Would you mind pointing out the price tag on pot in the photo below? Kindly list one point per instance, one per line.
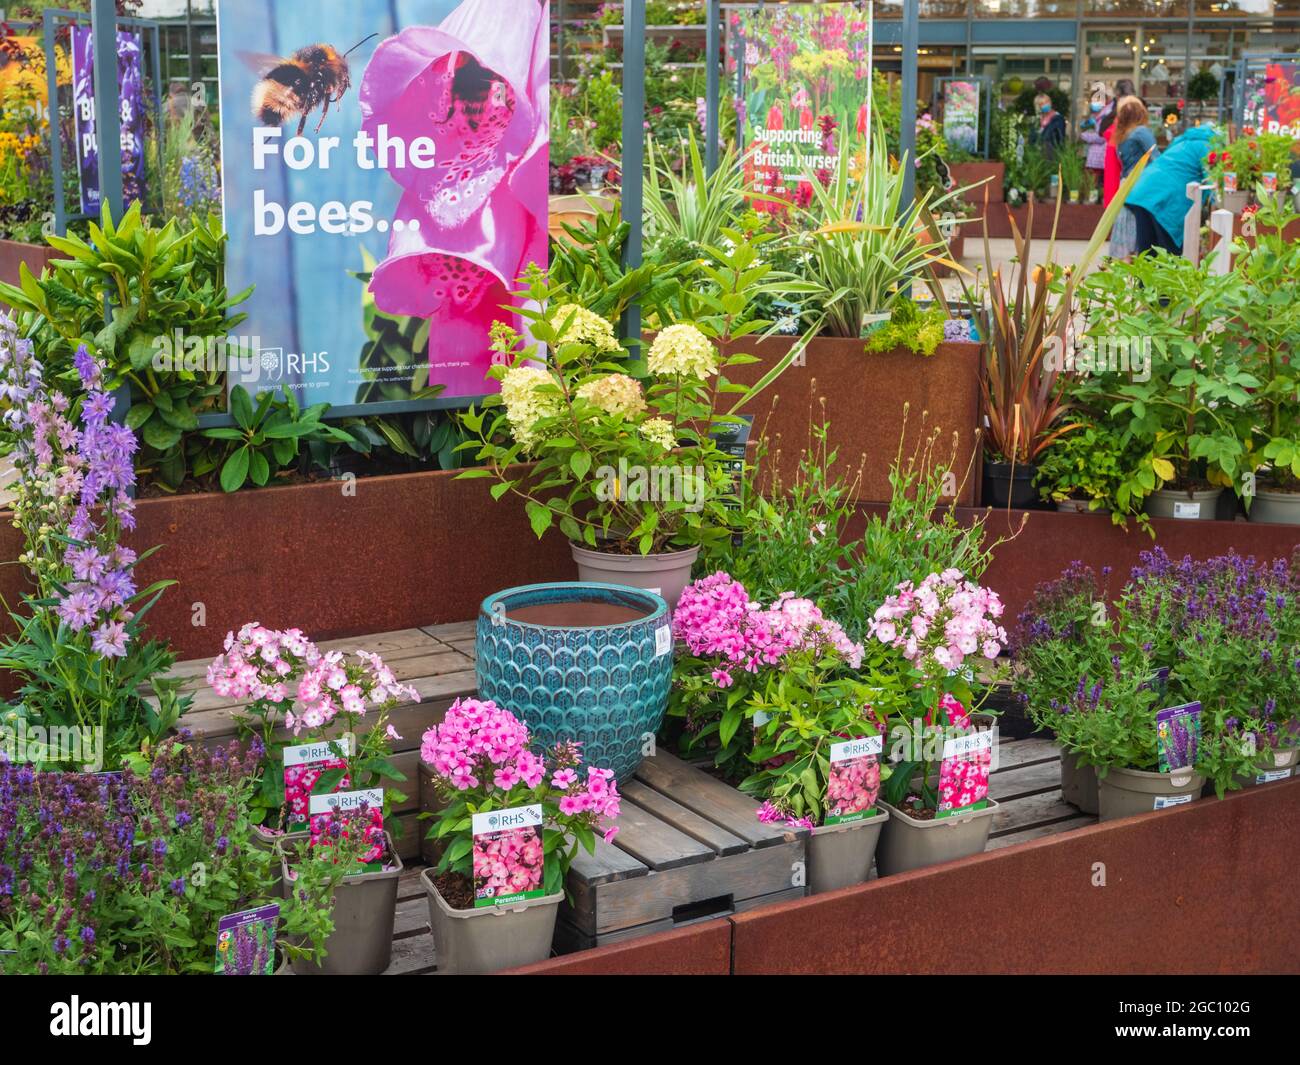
(1270, 775)
(663, 640)
(964, 772)
(304, 766)
(853, 783)
(1163, 802)
(246, 942)
(1178, 736)
(1189, 511)
(508, 856)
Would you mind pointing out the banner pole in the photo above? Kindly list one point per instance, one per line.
(108, 126)
(633, 162)
(713, 87)
(907, 135)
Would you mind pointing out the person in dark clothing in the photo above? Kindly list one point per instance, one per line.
(1050, 134)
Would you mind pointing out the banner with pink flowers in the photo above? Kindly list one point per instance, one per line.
(385, 168)
(803, 91)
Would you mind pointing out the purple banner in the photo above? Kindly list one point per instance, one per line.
(130, 75)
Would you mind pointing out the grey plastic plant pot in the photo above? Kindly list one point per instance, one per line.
(490, 938)
(1190, 506)
(269, 841)
(1283, 508)
(364, 907)
(1125, 792)
(667, 575)
(841, 855)
(907, 843)
(1078, 783)
(1273, 765)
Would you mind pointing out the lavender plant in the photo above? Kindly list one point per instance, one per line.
(78, 650)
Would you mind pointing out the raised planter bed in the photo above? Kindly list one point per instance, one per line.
(1077, 222)
(13, 253)
(987, 177)
(863, 396)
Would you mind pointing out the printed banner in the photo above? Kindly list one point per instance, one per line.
(1178, 736)
(804, 91)
(853, 784)
(246, 942)
(130, 77)
(961, 115)
(384, 190)
(1273, 100)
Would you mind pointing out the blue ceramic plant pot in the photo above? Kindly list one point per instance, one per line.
(579, 661)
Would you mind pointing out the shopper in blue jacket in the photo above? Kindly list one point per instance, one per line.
(1159, 200)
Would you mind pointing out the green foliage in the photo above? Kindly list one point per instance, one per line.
(695, 207)
(1087, 465)
(919, 331)
(158, 281)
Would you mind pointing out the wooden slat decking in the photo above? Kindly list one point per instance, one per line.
(439, 662)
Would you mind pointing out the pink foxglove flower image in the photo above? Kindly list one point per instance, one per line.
(466, 227)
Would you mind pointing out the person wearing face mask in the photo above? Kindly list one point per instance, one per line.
(1099, 107)
(1051, 126)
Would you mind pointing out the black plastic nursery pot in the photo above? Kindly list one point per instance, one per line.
(1011, 485)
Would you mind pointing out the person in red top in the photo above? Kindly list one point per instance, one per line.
(1112, 170)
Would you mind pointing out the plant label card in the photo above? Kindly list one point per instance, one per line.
(304, 765)
(346, 805)
(246, 942)
(853, 784)
(508, 856)
(663, 640)
(1269, 179)
(1230, 181)
(1178, 736)
(964, 773)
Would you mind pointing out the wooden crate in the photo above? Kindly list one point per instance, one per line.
(689, 848)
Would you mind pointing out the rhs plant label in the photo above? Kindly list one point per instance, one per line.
(1178, 736)
(385, 170)
(346, 807)
(1229, 185)
(964, 773)
(853, 784)
(246, 942)
(508, 855)
(305, 764)
(1269, 178)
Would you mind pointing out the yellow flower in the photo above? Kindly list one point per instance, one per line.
(615, 393)
(526, 404)
(683, 349)
(587, 327)
(659, 431)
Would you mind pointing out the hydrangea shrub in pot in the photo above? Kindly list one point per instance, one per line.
(624, 460)
(933, 633)
(511, 820)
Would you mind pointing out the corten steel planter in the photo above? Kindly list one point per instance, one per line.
(14, 253)
(862, 395)
(364, 909)
(334, 558)
(579, 661)
(988, 178)
(1077, 220)
(1078, 783)
(908, 844)
(489, 938)
(1125, 792)
(841, 855)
